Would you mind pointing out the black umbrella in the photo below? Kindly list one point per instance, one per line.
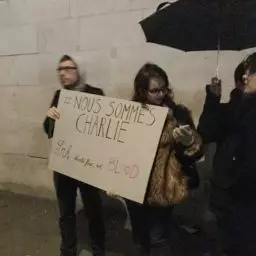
(195, 25)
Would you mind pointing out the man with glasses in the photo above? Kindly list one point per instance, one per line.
(71, 78)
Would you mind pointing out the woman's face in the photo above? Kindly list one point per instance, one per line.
(250, 82)
(156, 91)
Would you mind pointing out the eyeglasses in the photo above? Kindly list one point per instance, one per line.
(158, 90)
(67, 69)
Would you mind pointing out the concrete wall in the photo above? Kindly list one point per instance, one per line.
(106, 34)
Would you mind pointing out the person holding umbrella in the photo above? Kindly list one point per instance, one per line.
(234, 171)
(217, 116)
(214, 123)
(241, 226)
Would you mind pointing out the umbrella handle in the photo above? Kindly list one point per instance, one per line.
(217, 72)
(218, 60)
(162, 5)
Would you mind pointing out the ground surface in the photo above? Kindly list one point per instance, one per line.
(28, 227)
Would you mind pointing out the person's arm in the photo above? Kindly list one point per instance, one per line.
(214, 118)
(210, 121)
(189, 148)
(49, 123)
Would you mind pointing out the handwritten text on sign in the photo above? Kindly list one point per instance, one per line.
(108, 143)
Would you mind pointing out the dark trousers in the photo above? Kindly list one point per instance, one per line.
(151, 228)
(241, 231)
(66, 190)
(235, 209)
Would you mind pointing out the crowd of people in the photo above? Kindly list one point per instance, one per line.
(174, 174)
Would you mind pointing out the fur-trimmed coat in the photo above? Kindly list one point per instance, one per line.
(168, 183)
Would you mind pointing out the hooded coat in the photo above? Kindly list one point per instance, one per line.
(49, 123)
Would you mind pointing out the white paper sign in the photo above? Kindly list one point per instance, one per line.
(105, 142)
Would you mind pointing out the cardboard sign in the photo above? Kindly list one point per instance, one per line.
(105, 142)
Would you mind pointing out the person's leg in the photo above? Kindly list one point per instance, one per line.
(159, 225)
(241, 235)
(221, 205)
(66, 196)
(139, 229)
(94, 212)
(151, 228)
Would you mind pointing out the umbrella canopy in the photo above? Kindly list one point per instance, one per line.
(196, 25)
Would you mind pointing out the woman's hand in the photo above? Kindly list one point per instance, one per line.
(111, 193)
(184, 135)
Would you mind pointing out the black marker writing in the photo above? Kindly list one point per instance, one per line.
(88, 104)
(108, 128)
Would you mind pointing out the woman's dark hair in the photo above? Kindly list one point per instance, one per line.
(142, 80)
(239, 73)
(141, 84)
(250, 63)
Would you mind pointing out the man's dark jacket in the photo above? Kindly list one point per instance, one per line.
(233, 127)
(49, 123)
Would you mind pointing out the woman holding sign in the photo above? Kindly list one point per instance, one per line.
(173, 172)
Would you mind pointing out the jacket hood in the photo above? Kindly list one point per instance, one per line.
(78, 61)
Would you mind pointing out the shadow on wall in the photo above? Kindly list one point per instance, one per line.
(194, 100)
(40, 145)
